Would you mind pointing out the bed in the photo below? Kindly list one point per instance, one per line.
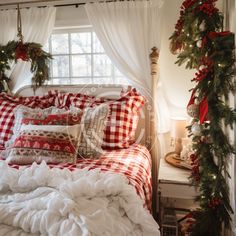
(107, 192)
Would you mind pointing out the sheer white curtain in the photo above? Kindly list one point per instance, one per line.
(128, 30)
(7, 26)
(37, 25)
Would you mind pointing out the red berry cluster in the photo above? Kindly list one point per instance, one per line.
(201, 74)
(214, 202)
(187, 4)
(207, 62)
(195, 167)
(179, 26)
(208, 8)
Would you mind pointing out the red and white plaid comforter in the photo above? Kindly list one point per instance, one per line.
(133, 162)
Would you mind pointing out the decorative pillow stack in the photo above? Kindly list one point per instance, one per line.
(32, 140)
(33, 129)
(123, 117)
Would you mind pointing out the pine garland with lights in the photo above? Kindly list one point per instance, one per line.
(201, 44)
(31, 52)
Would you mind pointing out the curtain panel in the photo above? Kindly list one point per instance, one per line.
(128, 30)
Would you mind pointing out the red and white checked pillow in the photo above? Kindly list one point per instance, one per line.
(123, 117)
(9, 103)
(52, 144)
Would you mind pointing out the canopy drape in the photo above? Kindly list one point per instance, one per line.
(128, 30)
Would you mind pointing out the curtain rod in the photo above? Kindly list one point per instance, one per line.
(43, 3)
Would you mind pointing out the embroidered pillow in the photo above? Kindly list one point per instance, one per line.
(53, 144)
(92, 120)
(123, 117)
(22, 112)
(7, 105)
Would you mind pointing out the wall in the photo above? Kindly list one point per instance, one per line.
(232, 133)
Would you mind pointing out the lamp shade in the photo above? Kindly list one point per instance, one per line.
(178, 127)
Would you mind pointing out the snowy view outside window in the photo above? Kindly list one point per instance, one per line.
(79, 58)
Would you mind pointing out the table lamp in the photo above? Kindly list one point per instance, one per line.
(178, 131)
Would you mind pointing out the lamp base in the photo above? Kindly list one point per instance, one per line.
(178, 146)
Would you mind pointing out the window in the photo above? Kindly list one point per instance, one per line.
(79, 58)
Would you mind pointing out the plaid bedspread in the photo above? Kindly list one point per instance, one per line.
(133, 162)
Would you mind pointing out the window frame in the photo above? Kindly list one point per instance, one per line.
(116, 77)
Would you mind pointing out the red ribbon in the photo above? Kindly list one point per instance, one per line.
(203, 110)
(192, 98)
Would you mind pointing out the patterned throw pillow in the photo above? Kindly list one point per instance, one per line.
(7, 105)
(23, 112)
(123, 117)
(93, 123)
(92, 120)
(53, 144)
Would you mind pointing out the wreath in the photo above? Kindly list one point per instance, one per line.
(31, 52)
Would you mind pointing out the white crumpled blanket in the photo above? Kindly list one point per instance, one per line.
(42, 201)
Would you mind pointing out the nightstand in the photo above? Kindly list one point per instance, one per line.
(176, 193)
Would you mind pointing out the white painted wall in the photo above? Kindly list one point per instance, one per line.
(232, 133)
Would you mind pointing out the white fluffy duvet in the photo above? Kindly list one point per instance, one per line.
(42, 201)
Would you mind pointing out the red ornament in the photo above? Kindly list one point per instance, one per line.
(22, 52)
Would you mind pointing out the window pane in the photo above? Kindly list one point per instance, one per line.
(81, 65)
(46, 47)
(107, 80)
(81, 42)
(117, 72)
(60, 44)
(122, 80)
(97, 47)
(81, 81)
(102, 65)
(60, 81)
(60, 66)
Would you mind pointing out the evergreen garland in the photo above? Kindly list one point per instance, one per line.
(32, 52)
(201, 44)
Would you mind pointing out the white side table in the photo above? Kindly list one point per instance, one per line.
(175, 190)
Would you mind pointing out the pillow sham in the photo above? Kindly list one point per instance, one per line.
(53, 144)
(122, 120)
(7, 105)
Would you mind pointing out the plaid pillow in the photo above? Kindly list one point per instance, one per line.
(52, 144)
(123, 117)
(7, 105)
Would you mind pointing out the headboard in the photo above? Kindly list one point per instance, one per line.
(99, 90)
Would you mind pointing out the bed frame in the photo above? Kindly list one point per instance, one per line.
(146, 132)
